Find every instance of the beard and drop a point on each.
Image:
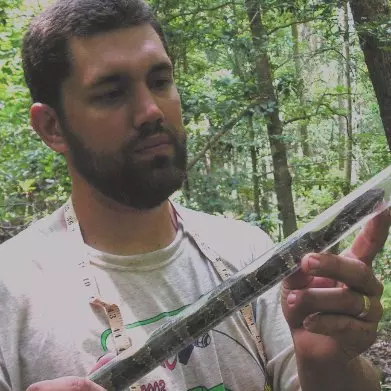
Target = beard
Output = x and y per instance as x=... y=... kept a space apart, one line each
x=138 y=183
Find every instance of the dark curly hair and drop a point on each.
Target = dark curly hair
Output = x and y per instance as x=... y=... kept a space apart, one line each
x=46 y=57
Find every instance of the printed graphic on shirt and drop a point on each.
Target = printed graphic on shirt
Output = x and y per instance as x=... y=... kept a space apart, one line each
x=161 y=386
x=105 y=335
x=155 y=386
x=219 y=387
x=184 y=356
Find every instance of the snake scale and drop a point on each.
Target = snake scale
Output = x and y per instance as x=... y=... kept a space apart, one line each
x=231 y=295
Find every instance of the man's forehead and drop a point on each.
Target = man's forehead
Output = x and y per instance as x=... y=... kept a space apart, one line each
x=139 y=47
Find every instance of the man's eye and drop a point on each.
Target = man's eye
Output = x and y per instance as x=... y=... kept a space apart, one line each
x=161 y=83
x=110 y=96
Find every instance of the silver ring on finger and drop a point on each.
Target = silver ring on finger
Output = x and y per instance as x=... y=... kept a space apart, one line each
x=366 y=308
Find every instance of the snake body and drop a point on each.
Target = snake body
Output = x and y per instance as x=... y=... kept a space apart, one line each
x=231 y=295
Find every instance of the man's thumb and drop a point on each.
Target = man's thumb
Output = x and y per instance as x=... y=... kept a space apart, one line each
x=102 y=361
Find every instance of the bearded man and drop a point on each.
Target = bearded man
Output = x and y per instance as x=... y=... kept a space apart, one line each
x=101 y=273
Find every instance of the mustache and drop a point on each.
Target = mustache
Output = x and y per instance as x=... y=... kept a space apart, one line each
x=152 y=129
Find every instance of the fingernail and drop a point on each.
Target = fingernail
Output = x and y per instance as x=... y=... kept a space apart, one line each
x=313 y=264
x=291 y=299
x=108 y=356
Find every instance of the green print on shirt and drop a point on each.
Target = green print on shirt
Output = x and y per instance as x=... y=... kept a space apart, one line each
x=219 y=387
x=107 y=333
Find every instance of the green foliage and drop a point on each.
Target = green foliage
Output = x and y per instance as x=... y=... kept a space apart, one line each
x=386 y=303
x=34 y=180
x=382 y=264
x=214 y=57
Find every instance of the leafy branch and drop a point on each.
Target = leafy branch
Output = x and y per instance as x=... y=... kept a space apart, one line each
x=198 y=10
x=320 y=103
x=301 y=21
x=220 y=134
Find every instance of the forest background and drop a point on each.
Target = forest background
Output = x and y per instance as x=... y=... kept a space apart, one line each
x=282 y=116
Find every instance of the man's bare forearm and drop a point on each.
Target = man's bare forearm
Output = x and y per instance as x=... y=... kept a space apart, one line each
x=357 y=375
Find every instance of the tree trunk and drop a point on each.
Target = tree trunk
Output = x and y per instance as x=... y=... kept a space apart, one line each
x=186 y=190
x=282 y=177
x=206 y=165
x=254 y=163
x=341 y=99
x=341 y=120
x=265 y=192
x=377 y=54
x=349 y=118
x=303 y=126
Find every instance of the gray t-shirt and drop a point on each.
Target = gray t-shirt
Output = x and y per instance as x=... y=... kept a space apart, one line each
x=50 y=330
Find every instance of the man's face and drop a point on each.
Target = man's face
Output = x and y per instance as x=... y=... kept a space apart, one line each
x=122 y=117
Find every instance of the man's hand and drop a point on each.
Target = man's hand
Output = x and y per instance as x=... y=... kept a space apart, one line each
x=72 y=383
x=324 y=303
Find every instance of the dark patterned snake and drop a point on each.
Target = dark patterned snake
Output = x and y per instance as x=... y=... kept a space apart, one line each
x=231 y=295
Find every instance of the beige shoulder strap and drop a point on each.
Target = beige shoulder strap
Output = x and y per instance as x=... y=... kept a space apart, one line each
x=111 y=310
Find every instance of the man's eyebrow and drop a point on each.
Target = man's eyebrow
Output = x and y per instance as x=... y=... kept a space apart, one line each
x=161 y=66
x=106 y=79
x=120 y=77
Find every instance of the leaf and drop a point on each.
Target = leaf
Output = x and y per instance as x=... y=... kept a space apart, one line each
x=27 y=185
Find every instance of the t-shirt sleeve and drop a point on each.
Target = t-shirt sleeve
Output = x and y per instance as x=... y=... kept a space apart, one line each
x=7 y=327
x=5 y=383
x=277 y=339
x=11 y=317
x=4 y=378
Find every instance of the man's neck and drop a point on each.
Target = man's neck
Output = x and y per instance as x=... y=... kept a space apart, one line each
x=116 y=229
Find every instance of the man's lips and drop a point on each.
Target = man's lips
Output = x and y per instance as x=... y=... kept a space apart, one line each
x=153 y=142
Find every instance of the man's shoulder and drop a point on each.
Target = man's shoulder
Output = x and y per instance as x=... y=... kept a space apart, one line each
x=208 y=222
x=234 y=239
x=26 y=258
x=34 y=239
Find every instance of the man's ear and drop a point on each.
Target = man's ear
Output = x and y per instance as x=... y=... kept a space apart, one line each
x=45 y=122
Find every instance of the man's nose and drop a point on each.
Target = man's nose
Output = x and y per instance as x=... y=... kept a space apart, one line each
x=145 y=108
